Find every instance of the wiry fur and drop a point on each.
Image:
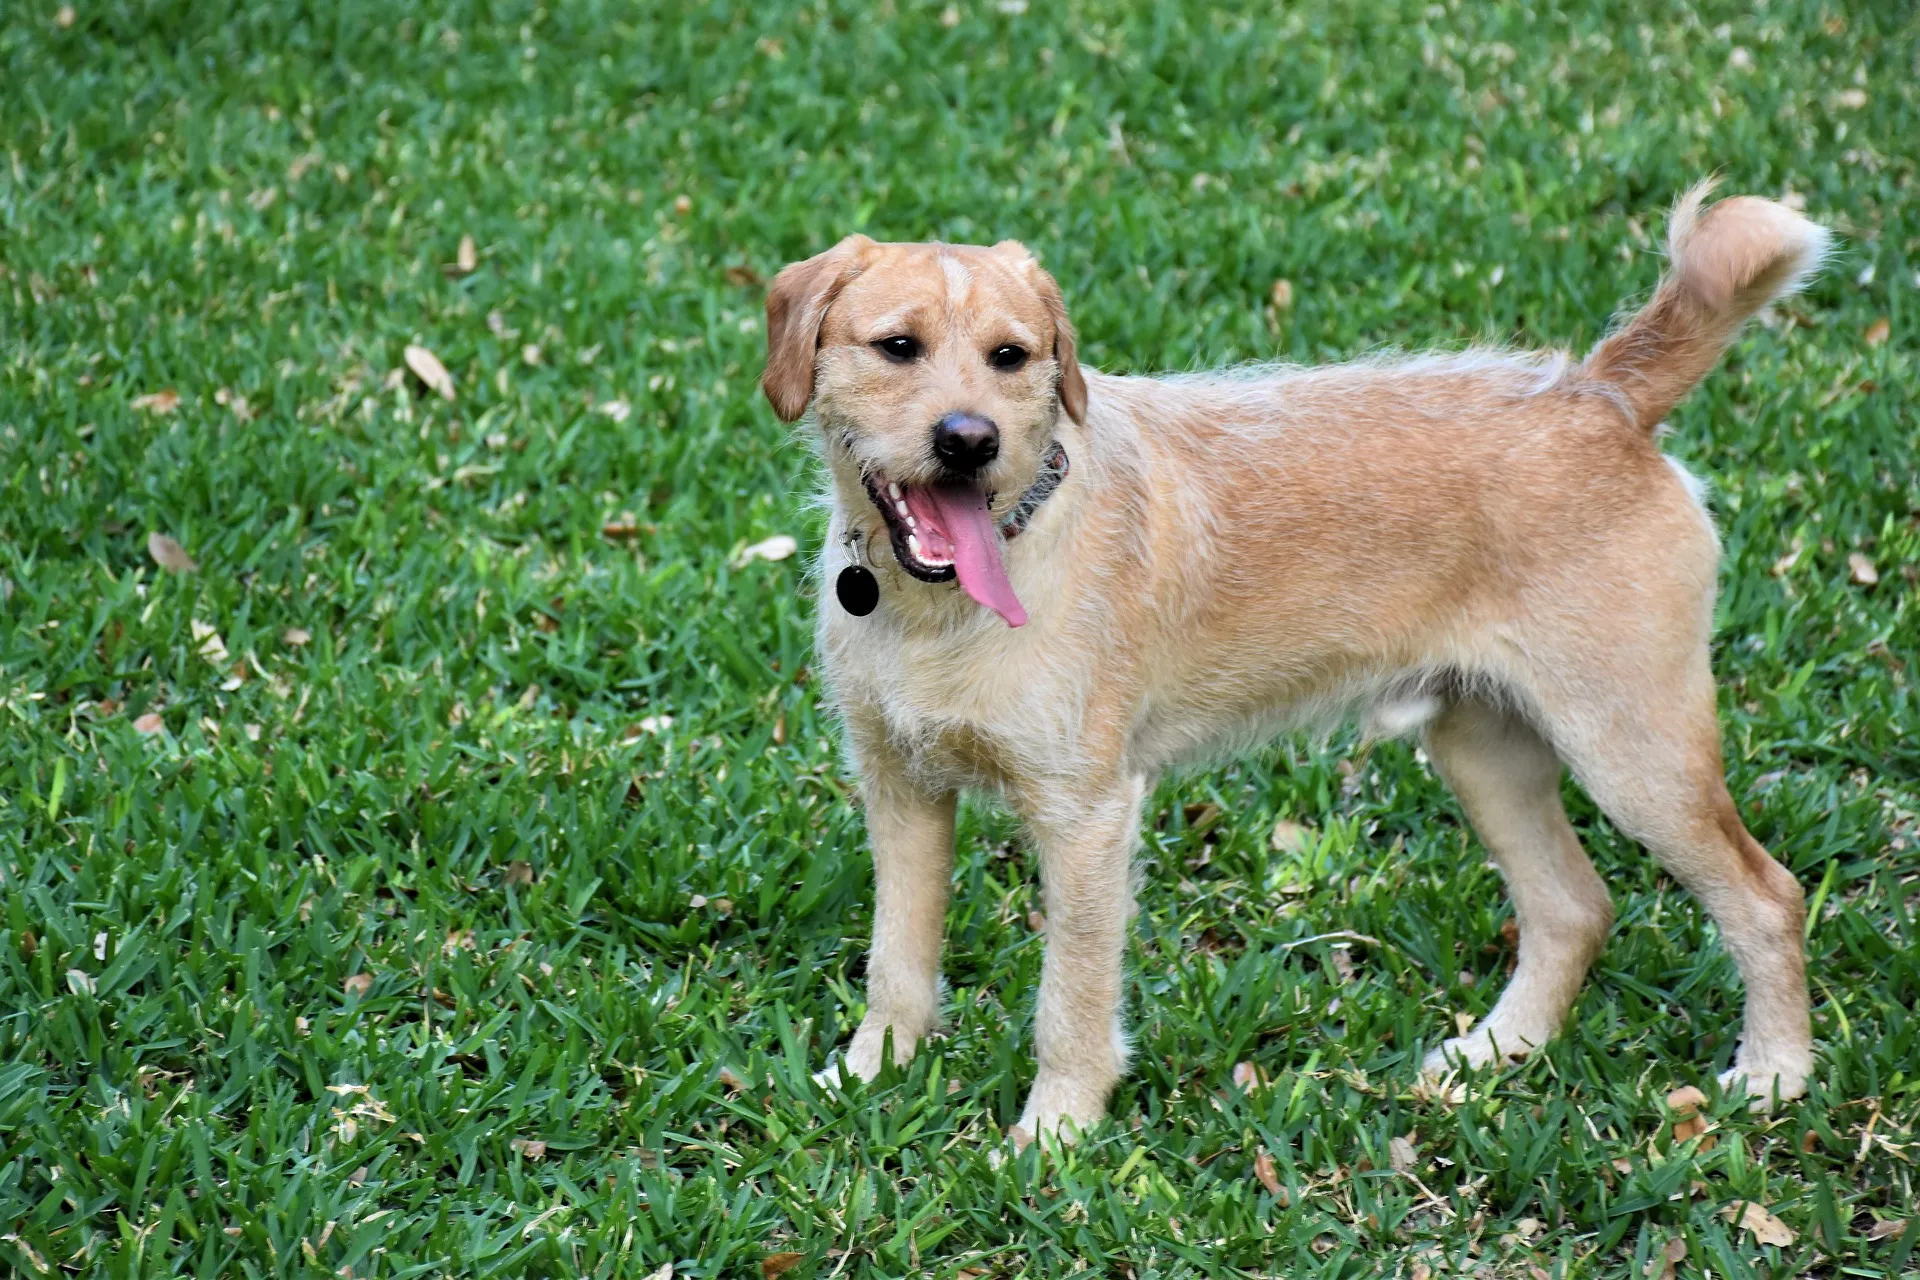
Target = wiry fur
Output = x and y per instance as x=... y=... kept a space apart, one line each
x=1486 y=548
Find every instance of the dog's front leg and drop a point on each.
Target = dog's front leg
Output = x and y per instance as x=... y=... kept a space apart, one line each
x=1086 y=852
x=912 y=837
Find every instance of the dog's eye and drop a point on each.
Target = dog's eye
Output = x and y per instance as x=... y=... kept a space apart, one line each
x=1007 y=357
x=900 y=348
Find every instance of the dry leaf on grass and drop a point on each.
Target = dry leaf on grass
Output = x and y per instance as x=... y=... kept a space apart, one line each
x=778 y=1264
x=1246 y=1077
x=1764 y=1227
x=426 y=366
x=1263 y=1170
x=664 y=1273
x=778 y=547
x=466 y=259
x=519 y=873
x=1290 y=837
x=1878 y=332
x=149 y=723
x=1670 y=1256
x=357 y=984
x=1685 y=1103
x=731 y=1079
x=170 y=555
x=1887 y=1230
x=1402 y=1155
x=208 y=644
x=295 y=636
x=1862 y=569
x=80 y=982
x=165 y=400
x=531 y=1148
x=1281 y=295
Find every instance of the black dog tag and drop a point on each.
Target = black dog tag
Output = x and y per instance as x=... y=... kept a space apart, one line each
x=858 y=589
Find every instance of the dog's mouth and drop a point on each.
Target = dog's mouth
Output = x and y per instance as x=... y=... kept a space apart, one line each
x=943 y=531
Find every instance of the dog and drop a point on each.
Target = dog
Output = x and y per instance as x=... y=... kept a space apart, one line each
x=1059 y=584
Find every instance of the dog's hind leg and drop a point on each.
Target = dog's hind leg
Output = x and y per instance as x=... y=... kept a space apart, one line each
x=1508 y=781
x=1648 y=751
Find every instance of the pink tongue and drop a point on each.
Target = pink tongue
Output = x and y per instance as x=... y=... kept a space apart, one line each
x=964 y=518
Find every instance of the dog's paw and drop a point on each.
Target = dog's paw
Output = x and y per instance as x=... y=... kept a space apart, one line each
x=1058 y=1110
x=1486 y=1045
x=1764 y=1084
x=864 y=1057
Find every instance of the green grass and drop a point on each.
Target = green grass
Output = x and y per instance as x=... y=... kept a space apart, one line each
x=287 y=987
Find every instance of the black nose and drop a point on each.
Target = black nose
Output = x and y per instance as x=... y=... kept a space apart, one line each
x=966 y=441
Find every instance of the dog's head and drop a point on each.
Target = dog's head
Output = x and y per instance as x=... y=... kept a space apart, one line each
x=937 y=374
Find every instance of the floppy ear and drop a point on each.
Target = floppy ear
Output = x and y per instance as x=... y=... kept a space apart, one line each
x=1073 y=384
x=797 y=302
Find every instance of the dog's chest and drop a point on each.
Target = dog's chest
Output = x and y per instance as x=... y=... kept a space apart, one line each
x=958 y=714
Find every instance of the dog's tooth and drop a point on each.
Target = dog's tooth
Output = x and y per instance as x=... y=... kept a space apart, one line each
x=893 y=491
x=901 y=507
x=912 y=523
x=913 y=544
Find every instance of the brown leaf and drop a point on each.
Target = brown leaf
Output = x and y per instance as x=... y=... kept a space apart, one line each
x=1887 y=1229
x=531 y=1148
x=149 y=723
x=1402 y=1154
x=1671 y=1255
x=1764 y=1227
x=358 y=984
x=170 y=555
x=624 y=526
x=745 y=277
x=1290 y=837
x=1862 y=569
x=519 y=873
x=1246 y=1077
x=778 y=1264
x=1263 y=1170
x=1878 y=332
x=1689 y=1128
x=1200 y=817
x=165 y=400
x=426 y=366
x=731 y=1078
x=1685 y=1100
x=1342 y=957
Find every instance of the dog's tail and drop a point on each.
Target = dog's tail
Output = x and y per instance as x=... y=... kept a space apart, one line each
x=1722 y=266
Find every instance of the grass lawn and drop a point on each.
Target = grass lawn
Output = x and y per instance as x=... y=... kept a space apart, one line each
x=453 y=874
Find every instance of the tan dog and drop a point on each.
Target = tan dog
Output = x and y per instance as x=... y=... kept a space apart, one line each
x=1487 y=548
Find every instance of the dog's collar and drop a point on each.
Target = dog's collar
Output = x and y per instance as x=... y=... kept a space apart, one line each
x=1053 y=470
